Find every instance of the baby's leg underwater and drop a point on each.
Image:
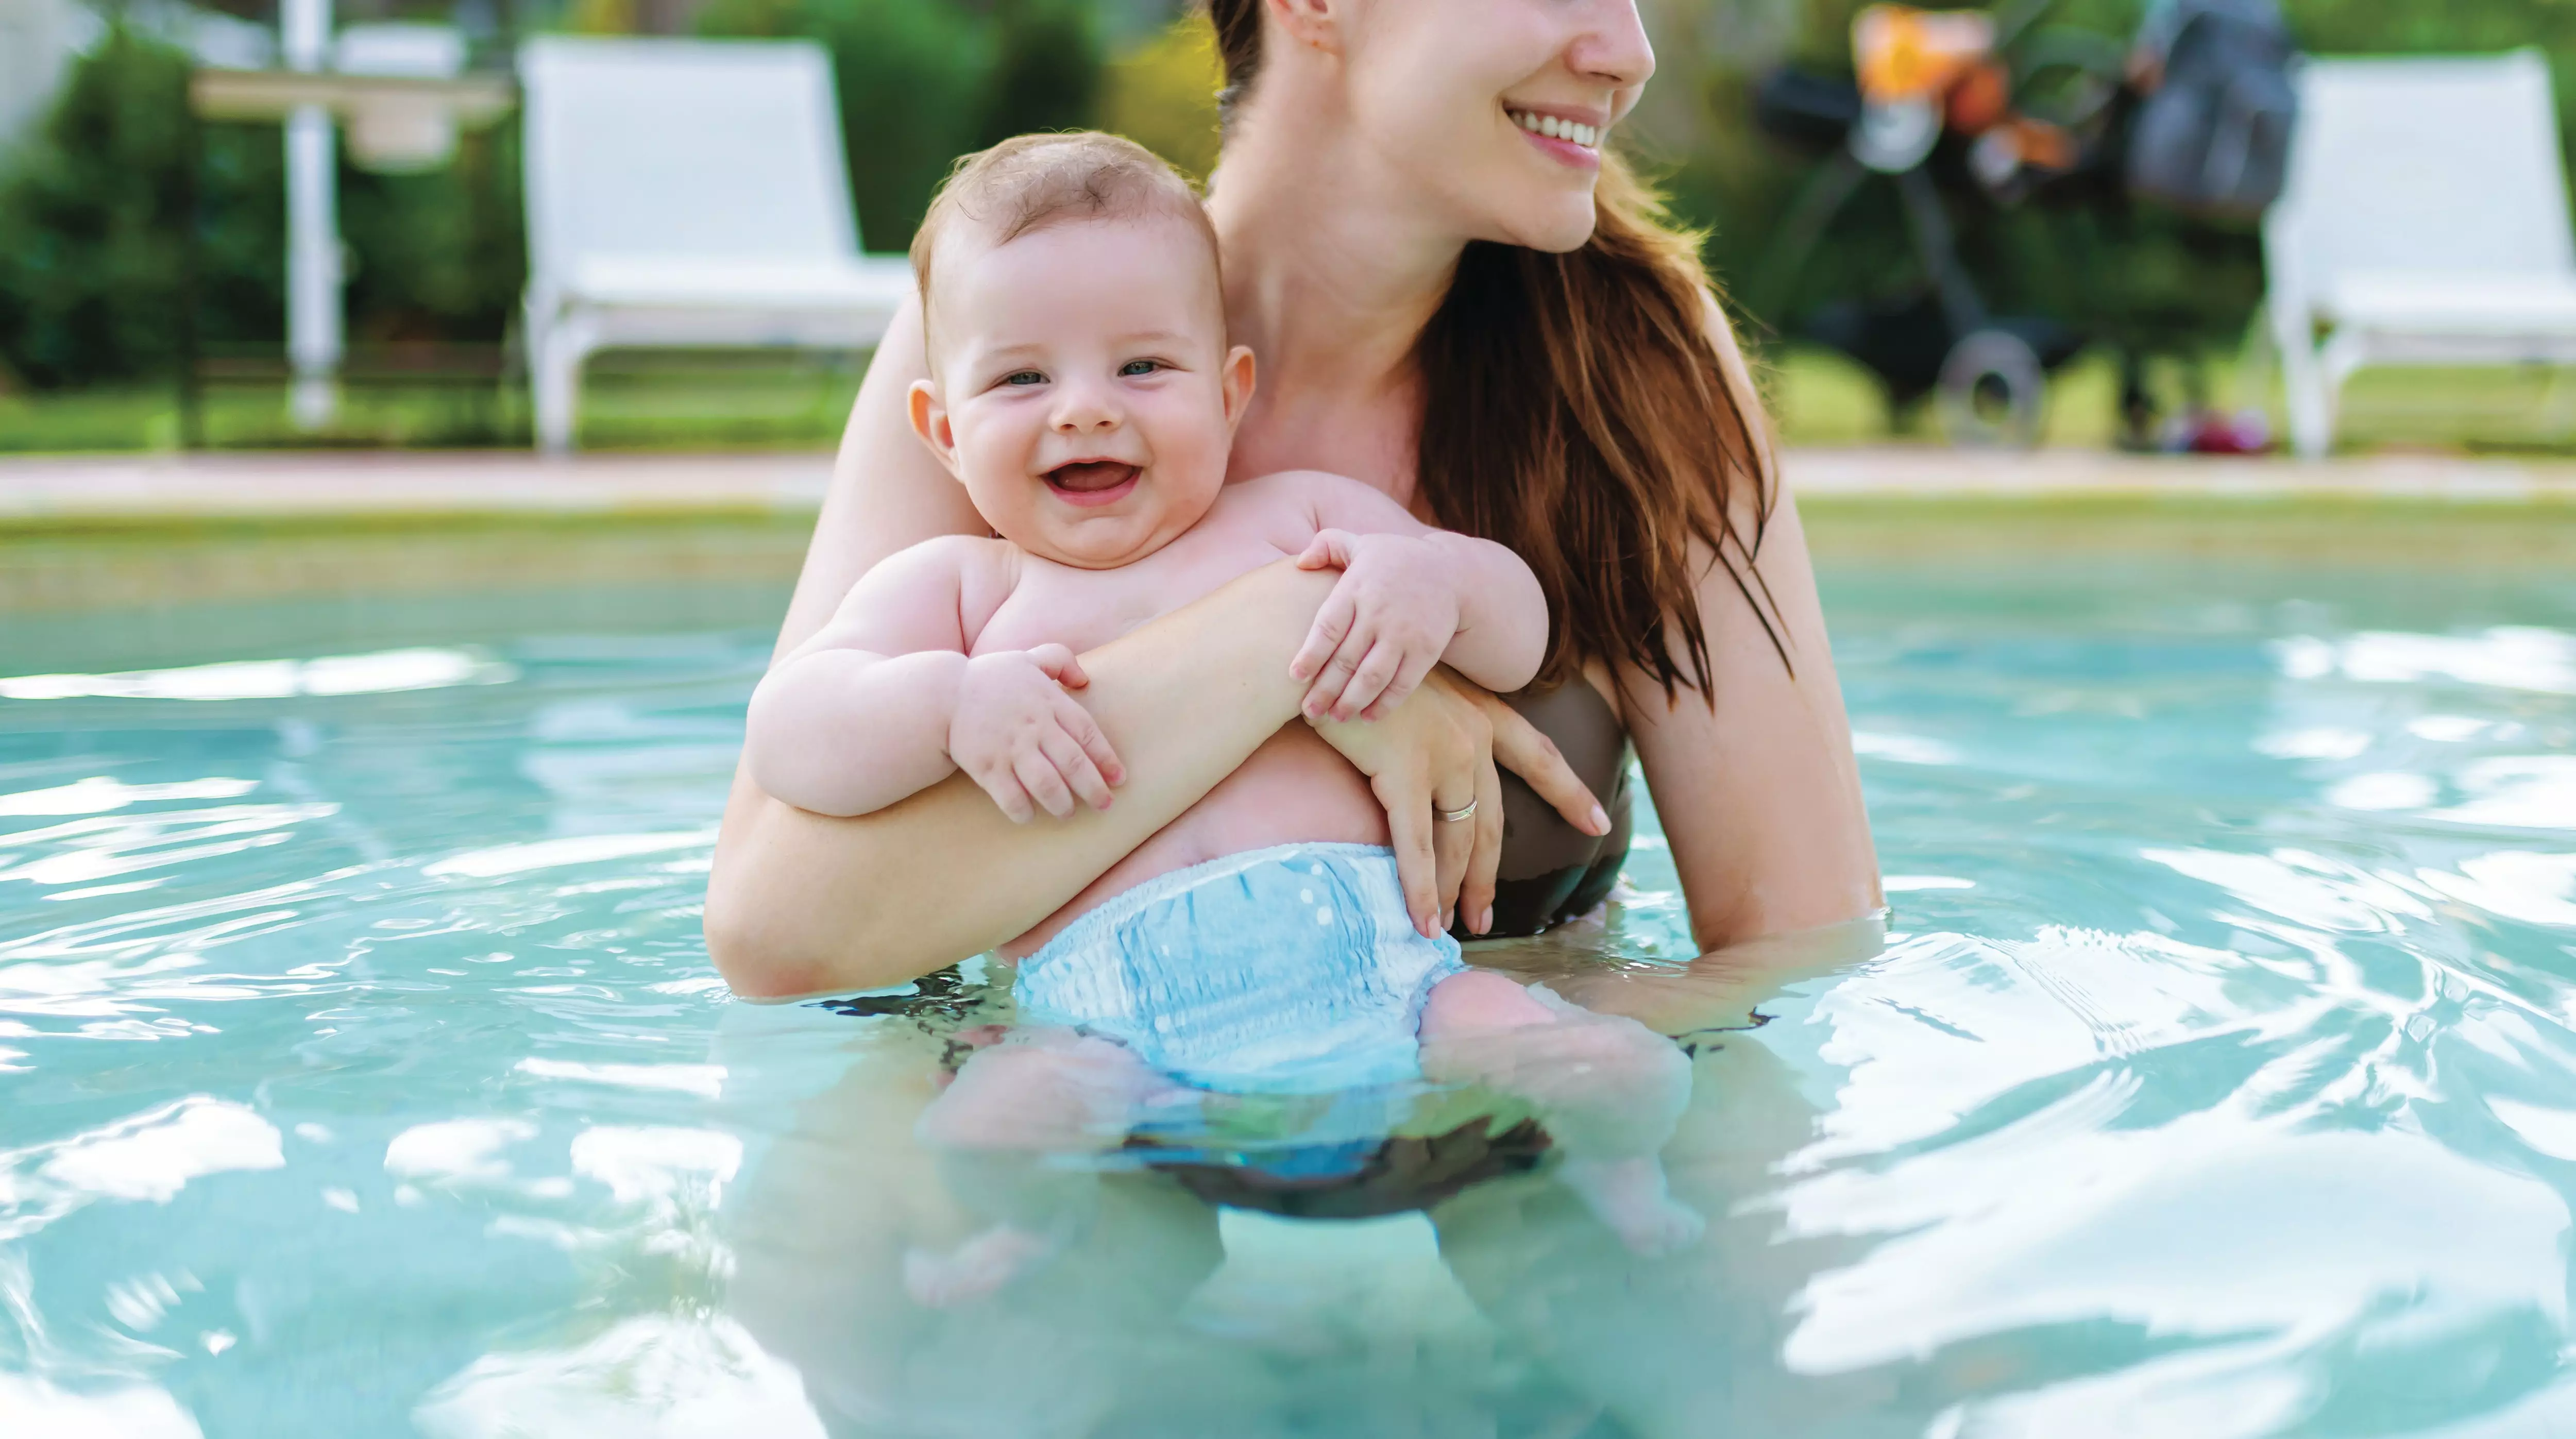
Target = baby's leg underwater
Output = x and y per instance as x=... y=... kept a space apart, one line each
x=1013 y=1133
x=1608 y=1089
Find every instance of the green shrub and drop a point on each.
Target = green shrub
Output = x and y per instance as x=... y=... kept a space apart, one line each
x=1046 y=72
x=97 y=209
x=88 y=275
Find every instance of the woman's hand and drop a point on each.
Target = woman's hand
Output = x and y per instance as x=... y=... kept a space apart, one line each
x=1437 y=752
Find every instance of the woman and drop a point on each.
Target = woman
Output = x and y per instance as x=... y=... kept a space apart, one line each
x=1456 y=295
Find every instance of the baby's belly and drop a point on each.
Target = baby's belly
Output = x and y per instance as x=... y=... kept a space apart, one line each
x=1294 y=788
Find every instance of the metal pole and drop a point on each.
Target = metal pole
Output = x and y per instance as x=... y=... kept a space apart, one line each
x=192 y=407
x=313 y=278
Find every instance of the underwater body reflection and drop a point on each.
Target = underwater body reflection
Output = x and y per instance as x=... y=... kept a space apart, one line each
x=1168 y=1314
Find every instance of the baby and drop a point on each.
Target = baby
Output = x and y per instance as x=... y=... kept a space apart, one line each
x=1082 y=391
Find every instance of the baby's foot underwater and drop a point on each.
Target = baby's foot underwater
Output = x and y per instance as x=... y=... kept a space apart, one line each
x=976 y=1269
x=1630 y=1197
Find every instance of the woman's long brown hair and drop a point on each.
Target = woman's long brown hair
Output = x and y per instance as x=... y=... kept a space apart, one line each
x=1576 y=410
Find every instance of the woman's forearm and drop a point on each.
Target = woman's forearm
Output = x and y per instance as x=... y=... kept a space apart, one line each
x=802 y=904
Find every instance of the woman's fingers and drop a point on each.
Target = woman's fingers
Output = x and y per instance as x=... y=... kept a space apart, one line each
x=1453 y=843
x=1409 y=824
x=1520 y=748
x=1476 y=893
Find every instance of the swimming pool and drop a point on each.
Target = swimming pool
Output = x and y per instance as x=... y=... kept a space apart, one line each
x=362 y=1073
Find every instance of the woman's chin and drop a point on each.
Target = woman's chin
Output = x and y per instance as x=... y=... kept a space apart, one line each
x=1560 y=233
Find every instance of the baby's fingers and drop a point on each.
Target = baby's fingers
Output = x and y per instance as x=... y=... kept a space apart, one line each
x=1076 y=768
x=1324 y=697
x=1330 y=549
x=1369 y=680
x=1332 y=625
x=1058 y=664
x=1085 y=731
x=1006 y=790
x=1408 y=678
x=1039 y=778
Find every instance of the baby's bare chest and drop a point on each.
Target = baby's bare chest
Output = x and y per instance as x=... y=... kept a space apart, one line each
x=1082 y=609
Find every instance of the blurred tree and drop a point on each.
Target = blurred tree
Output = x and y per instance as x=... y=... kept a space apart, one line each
x=88 y=273
x=1163 y=95
x=1046 y=69
x=600 y=17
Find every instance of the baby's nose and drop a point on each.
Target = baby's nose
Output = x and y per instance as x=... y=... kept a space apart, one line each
x=1086 y=407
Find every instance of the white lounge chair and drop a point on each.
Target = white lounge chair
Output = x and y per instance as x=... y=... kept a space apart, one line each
x=2425 y=222
x=687 y=193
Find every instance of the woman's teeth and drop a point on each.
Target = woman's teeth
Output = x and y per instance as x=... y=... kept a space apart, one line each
x=1587 y=136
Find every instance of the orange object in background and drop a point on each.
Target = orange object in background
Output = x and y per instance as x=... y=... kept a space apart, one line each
x=1980 y=98
x=1907 y=54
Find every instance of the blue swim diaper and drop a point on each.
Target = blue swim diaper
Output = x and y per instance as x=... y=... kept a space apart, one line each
x=1294 y=969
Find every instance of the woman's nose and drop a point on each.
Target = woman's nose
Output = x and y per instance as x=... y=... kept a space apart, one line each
x=1613 y=46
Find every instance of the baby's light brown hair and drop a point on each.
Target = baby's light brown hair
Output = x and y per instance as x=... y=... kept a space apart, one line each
x=1033 y=181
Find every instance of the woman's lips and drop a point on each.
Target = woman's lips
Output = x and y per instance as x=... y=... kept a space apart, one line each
x=1567 y=141
x=1092 y=482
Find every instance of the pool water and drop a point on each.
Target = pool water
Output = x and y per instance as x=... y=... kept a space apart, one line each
x=362 y=1071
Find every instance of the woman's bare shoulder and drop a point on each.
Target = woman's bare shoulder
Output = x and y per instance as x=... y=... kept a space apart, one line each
x=887 y=493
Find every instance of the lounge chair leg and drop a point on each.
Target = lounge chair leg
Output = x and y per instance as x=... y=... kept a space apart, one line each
x=2303 y=388
x=554 y=375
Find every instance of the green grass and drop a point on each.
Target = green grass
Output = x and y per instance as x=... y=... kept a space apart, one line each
x=1821 y=398
x=698 y=402
x=630 y=402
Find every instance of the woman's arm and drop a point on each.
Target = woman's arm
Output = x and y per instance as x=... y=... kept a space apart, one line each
x=1755 y=782
x=801 y=904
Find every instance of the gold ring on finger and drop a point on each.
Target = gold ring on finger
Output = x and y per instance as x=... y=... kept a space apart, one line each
x=1452 y=816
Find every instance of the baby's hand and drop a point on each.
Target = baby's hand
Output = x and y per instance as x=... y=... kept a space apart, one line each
x=1382 y=628
x=1018 y=734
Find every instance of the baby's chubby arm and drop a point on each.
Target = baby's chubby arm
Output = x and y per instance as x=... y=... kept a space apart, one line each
x=884 y=702
x=1410 y=597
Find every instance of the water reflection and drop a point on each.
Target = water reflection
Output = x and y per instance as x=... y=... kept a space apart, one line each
x=361 y=1071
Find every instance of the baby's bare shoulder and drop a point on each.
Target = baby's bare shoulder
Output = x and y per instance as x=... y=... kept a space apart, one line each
x=1292 y=487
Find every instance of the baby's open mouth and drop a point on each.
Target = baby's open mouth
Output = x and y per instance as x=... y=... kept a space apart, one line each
x=1092 y=482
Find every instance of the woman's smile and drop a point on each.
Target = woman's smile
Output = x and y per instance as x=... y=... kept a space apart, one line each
x=1564 y=137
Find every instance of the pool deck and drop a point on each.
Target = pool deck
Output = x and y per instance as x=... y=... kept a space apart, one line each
x=46 y=492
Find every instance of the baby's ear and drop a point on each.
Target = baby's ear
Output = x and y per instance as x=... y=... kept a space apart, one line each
x=1238 y=384
x=930 y=421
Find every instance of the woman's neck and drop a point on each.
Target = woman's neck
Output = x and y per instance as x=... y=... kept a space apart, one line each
x=1330 y=273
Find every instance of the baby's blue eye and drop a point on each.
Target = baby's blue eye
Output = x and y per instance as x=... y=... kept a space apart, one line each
x=1133 y=368
x=1024 y=377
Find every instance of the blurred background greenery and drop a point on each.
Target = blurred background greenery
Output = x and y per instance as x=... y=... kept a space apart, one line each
x=101 y=184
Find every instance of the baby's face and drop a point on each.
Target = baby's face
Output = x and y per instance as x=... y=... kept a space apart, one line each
x=1081 y=388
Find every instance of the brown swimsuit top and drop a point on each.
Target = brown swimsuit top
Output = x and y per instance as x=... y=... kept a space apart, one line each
x=1551 y=871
